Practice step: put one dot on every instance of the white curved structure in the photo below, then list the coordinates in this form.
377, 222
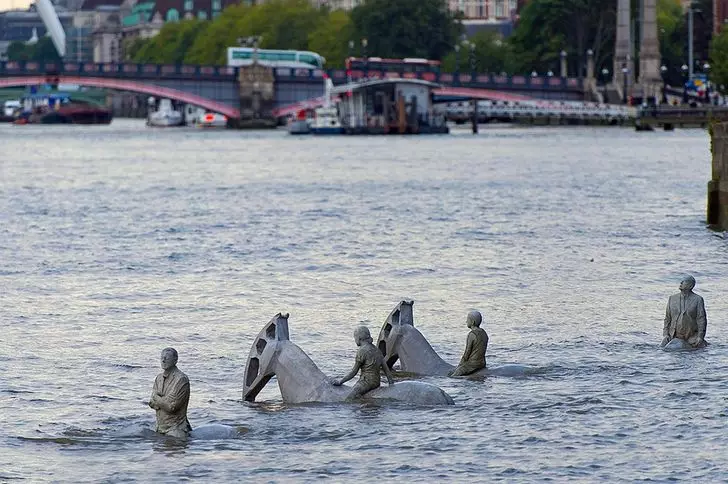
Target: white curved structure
50, 19
400, 340
301, 381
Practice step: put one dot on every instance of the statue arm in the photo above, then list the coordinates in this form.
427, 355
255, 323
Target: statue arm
468, 348
175, 400
350, 375
153, 399
666, 326
390, 378
702, 319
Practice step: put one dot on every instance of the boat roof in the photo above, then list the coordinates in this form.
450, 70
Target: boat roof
356, 86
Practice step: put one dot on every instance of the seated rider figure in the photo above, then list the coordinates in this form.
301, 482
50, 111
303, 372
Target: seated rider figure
474, 356
685, 316
370, 360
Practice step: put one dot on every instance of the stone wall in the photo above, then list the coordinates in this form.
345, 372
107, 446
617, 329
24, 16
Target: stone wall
718, 185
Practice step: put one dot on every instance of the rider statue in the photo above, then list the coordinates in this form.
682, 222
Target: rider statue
370, 360
477, 342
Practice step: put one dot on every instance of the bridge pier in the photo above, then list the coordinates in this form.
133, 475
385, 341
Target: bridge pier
718, 185
257, 97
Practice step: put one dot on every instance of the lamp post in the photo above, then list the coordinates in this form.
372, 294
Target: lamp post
706, 69
534, 74
663, 72
457, 64
364, 43
685, 69
605, 75
473, 66
625, 71
563, 66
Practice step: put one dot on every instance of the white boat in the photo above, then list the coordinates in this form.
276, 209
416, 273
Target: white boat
165, 115
10, 107
326, 118
326, 121
299, 124
211, 120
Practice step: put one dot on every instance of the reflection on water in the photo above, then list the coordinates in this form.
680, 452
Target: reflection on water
119, 241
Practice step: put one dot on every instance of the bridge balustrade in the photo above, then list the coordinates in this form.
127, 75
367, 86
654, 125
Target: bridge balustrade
122, 70
475, 80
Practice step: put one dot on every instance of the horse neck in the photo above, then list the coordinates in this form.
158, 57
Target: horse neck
297, 374
418, 356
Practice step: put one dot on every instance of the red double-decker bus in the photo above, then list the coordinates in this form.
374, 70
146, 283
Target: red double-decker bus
392, 65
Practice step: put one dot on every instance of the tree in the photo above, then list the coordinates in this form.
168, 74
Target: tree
406, 28
172, 42
331, 38
492, 54
671, 33
41, 51
719, 59
546, 27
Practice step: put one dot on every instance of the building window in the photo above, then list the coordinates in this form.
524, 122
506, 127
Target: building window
189, 5
216, 5
202, 15
500, 8
172, 15
215, 14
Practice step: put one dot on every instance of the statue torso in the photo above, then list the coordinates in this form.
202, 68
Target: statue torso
480, 344
175, 386
371, 360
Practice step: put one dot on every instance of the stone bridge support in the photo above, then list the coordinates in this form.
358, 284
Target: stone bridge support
718, 185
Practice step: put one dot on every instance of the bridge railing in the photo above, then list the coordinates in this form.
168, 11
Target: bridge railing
134, 71
338, 76
481, 80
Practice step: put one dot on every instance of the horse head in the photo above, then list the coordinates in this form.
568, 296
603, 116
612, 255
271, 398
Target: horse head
391, 332
260, 367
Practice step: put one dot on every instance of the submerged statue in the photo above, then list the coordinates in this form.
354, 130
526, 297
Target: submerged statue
400, 340
370, 361
170, 396
685, 319
301, 381
473, 358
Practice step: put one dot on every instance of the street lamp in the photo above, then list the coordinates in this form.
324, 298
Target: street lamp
472, 61
457, 63
563, 66
663, 72
685, 69
706, 69
605, 75
534, 74
550, 73
364, 55
625, 71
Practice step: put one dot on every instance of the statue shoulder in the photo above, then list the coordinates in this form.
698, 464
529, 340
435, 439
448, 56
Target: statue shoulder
181, 377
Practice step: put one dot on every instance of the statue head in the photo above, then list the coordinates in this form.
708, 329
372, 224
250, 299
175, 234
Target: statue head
687, 283
169, 358
362, 335
474, 319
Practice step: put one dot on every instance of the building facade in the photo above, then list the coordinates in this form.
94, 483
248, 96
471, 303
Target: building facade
720, 15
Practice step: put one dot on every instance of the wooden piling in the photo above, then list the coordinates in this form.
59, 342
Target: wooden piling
718, 185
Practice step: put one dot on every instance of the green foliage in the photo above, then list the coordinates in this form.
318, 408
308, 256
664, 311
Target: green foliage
283, 24
42, 51
331, 38
406, 28
719, 60
546, 27
671, 33
492, 54
172, 42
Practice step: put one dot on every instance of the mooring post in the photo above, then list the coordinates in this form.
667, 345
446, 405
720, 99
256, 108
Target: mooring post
475, 116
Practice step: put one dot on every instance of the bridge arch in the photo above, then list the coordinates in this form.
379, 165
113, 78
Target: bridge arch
129, 86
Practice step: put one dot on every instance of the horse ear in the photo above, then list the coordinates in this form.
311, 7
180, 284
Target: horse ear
259, 367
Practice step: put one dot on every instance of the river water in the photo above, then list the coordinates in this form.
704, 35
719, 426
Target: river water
119, 241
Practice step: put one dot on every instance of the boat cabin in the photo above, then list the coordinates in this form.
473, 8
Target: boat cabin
401, 106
